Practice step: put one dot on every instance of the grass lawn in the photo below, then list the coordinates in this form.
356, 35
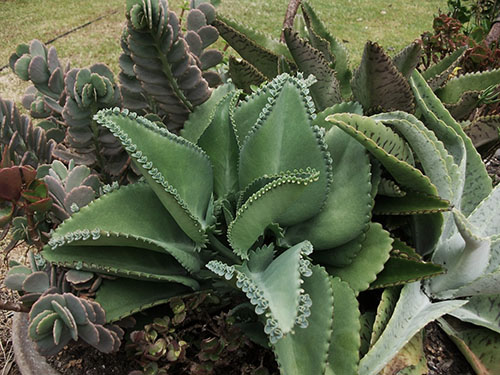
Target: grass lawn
393, 24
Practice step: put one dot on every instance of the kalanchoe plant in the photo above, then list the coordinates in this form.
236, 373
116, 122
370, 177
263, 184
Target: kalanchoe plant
163, 70
70, 188
236, 196
26, 144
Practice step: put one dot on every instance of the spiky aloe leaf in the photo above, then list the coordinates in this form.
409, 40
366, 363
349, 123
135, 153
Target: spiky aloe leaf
349, 203
394, 155
484, 130
483, 218
343, 355
179, 172
480, 346
411, 204
409, 360
109, 221
413, 311
305, 350
437, 74
378, 85
453, 90
384, 312
404, 266
470, 260
274, 286
265, 207
270, 148
369, 262
326, 91
254, 47
408, 59
337, 49
481, 311
367, 319
123, 297
477, 182
344, 107
462, 109
244, 74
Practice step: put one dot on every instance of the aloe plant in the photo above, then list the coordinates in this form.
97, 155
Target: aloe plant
467, 246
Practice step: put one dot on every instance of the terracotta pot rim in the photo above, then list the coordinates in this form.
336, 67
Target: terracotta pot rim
27, 358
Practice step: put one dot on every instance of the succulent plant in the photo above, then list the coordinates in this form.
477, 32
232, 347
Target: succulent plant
56, 319
40, 65
163, 70
24, 201
26, 144
251, 211
467, 247
70, 188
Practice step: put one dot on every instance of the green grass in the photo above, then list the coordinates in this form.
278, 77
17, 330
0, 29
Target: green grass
393, 24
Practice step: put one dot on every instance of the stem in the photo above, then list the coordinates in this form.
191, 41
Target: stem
95, 137
12, 306
291, 11
219, 246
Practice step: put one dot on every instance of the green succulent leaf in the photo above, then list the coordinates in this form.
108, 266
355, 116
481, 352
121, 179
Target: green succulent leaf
345, 343
305, 350
385, 309
464, 107
260, 55
377, 83
179, 172
363, 270
337, 49
412, 203
123, 297
394, 155
326, 91
477, 182
201, 117
453, 90
347, 210
265, 207
245, 75
220, 144
481, 311
110, 221
438, 73
284, 127
408, 59
274, 287
412, 312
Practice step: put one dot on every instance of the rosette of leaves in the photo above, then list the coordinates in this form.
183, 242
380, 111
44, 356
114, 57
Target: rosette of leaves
40, 65
70, 188
163, 70
467, 248
25, 144
248, 192
56, 319
87, 143
378, 84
